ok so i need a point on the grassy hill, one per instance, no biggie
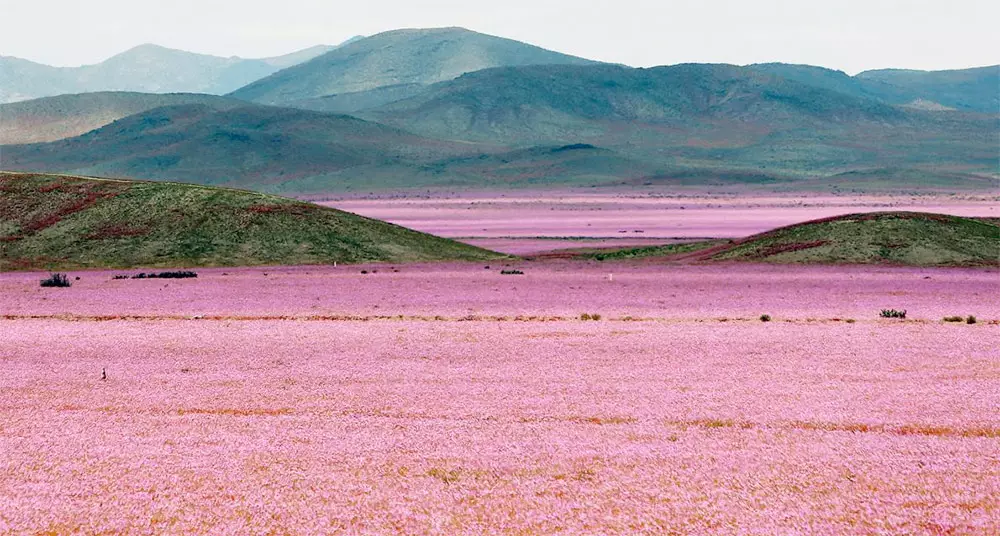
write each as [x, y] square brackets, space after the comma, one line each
[412, 56]
[145, 68]
[891, 238]
[65, 116]
[900, 238]
[62, 222]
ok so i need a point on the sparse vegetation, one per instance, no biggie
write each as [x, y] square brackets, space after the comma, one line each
[59, 223]
[892, 313]
[56, 280]
[970, 319]
[590, 316]
[765, 318]
[900, 238]
[511, 272]
[957, 318]
[184, 274]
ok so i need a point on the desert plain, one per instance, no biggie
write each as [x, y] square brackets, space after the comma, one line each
[447, 398]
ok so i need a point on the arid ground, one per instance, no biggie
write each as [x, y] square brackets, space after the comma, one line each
[451, 399]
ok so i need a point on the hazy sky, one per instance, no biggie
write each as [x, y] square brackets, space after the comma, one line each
[851, 35]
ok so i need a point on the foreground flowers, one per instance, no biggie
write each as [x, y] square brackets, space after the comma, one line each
[684, 423]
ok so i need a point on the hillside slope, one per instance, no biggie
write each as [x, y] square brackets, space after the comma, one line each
[250, 146]
[145, 68]
[890, 238]
[65, 116]
[50, 222]
[700, 116]
[898, 238]
[400, 57]
[975, 89]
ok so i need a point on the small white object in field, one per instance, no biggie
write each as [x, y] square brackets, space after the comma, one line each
[611, 277]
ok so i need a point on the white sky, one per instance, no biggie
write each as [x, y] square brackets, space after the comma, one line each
[851, 35]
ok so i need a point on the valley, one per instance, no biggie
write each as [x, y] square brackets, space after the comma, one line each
[437, 281]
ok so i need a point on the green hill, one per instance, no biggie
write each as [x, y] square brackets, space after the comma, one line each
[63, 222]
[65, 116]
[973, 90]
[250, 146]
[540, 103]
[891, 238]
[898, 238]
[976, 89]
[407, 57]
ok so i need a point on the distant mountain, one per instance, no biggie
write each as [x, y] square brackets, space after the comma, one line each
[145, 68]
[536, 104]
[65, 116]
[965, 89]
[251, 145]
[975, 89]
[400, 57]
[583, 124]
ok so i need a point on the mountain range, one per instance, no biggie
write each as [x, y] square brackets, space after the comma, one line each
[452, 107]
[146, 68]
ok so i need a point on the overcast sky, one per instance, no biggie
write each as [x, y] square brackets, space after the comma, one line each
[850, 35]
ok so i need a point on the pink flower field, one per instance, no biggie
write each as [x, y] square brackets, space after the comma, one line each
[449, 399]
[511, 223]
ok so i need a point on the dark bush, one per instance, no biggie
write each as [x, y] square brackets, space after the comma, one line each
[511, 272]
[765, 318]
[56, 280]
[970, 320]
[892, 313]
[953, 319]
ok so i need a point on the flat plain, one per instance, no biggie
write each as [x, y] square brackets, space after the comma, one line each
[538, 221]
[451, 399]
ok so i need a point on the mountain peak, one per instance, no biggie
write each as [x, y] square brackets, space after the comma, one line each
[410, 56]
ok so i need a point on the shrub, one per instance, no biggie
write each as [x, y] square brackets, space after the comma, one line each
[511, 272]
[892, 313]
[590, 316]
[953, 319]
[163, 275]
[970, 320]
[765, 318]
[56, 280]
[174, 275]
[850, 320]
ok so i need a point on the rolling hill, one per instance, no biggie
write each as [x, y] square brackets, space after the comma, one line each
[400, 57]
[544, 103]
[974, 90]
[65, 116]
[890, 238]
[421, 120]
[695, 116]
[145, 68]
[62, 222]
[898, 238]
[252, 146]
